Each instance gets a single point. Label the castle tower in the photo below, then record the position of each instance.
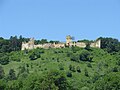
(98, 43)
(68, 40)
(31, 43)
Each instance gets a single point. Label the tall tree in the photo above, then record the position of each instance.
(110, 44)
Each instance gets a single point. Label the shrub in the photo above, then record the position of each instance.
(74, 57)
(4, 60)
(86, 56)
(14, 58)
(72, 68)
(2, 85)
(115, 69)
(108, 82)
(85, 88)
(89, 65)
(11, 75)
(61, 67)
(78, 69)
(69, 74)
(32, 56)
(86, 73)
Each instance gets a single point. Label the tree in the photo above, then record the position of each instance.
(1, 72)
(87, 46)
(110, 44)
(32, 56)
(89, 65)
(5, 48)
(74, 57)
(78, 69)
(115, 69)
(52, 80)
(14, 85)
(61, 82)
(53, 42)
(2, 85)
(69, 74)
(20, 42)
(43, 41)
(23, 72)
(4, 45)
(13, 43)
(86, 56)
(86, 72)
(37, 54)
(72, 68)
(61, 66)
(11, 75)
(108, 82)
(4, 59)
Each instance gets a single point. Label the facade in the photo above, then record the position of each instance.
(30, 45)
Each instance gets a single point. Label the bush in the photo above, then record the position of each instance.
(89, 65)
(74, 57)
(11, 75)
(110, 44)
(86, 73)
(78, 69)
(61, 67)
(2, 85)
(72, 68)
(4, 60)
(69, 74)
(108, 82)
(32, 56)
(14, 58)
(115, 69)
(86, 56)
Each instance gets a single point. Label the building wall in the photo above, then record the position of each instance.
(30, 44)
(96, 44)
(81, 44)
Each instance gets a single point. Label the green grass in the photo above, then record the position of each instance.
(51, 59)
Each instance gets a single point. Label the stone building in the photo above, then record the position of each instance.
(30, 45)
(69, 42)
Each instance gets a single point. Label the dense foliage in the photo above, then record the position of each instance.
(12, 44)
(110, 44)
(67, 68)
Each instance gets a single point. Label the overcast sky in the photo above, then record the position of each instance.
(54, 19)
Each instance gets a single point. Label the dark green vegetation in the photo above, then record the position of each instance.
(14, 43)
(61, 69)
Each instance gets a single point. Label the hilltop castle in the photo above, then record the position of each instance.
(30, 45)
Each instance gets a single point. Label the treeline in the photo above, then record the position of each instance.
(14, 43)
(43, 41)
(110, 44)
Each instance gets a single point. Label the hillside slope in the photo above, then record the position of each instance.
(61, 69)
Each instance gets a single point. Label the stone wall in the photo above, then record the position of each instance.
(31, 45)
(96, 44)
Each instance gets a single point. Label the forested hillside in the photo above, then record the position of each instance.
(70, 68)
